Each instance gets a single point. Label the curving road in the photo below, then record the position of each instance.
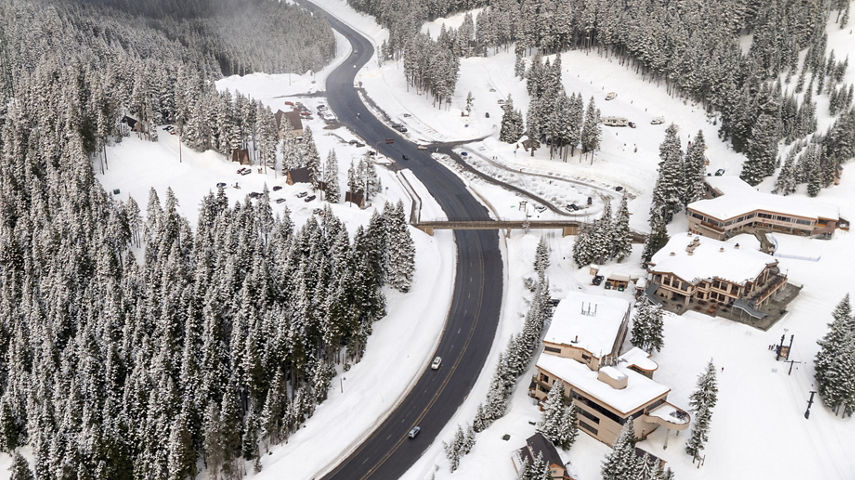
(387, 453)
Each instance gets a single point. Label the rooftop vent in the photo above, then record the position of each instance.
(736, 246)
(672, 254)
(721, 249)
(589, 309)
(612, 377)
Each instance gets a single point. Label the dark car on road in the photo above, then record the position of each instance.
(404, 157)
(390, 141)
(598, 279)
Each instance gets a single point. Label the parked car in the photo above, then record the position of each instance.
(404, 158)
(371, 153)
(598, 279)
(611, 96)
(280, 200)
(254, 194)
(390, 141)
(246, 171)
(631, 124)
(719, 172)
(401, 129)
(407, 115)
(436, 363)
(590, 201)
(486, 114)
(414, 431)
(540, 208)
(290, 104)
(221, 184)
(318, 211)
(572, 207)
(492, 90)
(422, 147)
(464, 154)
(302, 194)
(619, 188)
(321, 106)
(657, 121)
(276, 188)
(309, 198)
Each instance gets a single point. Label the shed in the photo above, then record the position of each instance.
(241, 156)
(298, 175)
(356, 197)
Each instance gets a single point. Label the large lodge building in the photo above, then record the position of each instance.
(736, 207)
(582, 349)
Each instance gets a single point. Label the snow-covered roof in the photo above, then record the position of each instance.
(710, 258)
(739, 198)
(638, 392)
(639, 358)
(594, 319)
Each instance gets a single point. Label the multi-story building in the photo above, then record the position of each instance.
(588, 328)
(735, 207)
(694, 271)
(582, 349)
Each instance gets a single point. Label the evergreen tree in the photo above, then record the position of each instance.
(657, 239)
(695, 166)
(591, 130)
(702, 402)
(20, 469)
(621, 241)
(669, 192)
(835, 360)
(330, 178)
(400, 259)
(553, 413)
(646, 331)
(622, 462)
(541, 259)
(512, 125)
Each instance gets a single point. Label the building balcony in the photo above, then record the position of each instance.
(669, 416)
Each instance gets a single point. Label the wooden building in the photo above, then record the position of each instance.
(692, 270)
(241, 156)
(536, 445)
(735, 207)
(298, 175)
(582, 349)
(295, 123)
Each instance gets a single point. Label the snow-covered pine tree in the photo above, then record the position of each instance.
(591, 130)
(533, 126)
(669, 190)
(401, 249)
(20, 468)
(541, 258)
(786, 183)
(657, 238)
(622, 462)
(835, 361)
(621, 242)
(511, 129)
(583, 251)
(569, 427)
(602, 235)
(553, 413)
(330, 178)
(310, 157)
(695, 167)
(702, 402)
(646, 332)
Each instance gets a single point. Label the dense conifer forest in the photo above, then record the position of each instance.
(139, 346)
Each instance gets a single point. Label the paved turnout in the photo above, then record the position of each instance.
(387, 453)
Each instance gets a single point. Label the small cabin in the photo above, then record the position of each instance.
(241, 156)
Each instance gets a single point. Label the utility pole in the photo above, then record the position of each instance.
(810, 402)
(791, 365)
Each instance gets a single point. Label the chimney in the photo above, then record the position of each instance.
(576, 339)
(736, 246)
(721, 249)
(672, 254)
(612, 377)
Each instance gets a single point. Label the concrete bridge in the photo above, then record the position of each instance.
(567, 227)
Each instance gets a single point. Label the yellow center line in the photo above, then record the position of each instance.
(445, 381)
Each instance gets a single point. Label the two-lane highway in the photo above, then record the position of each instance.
(386, 453)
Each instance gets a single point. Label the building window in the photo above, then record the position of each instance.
(596, 407)
(544, 378)
(588, 415)
(586, 358)
(587, 427)
(552, 349)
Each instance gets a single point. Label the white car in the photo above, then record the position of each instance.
(436, 363)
